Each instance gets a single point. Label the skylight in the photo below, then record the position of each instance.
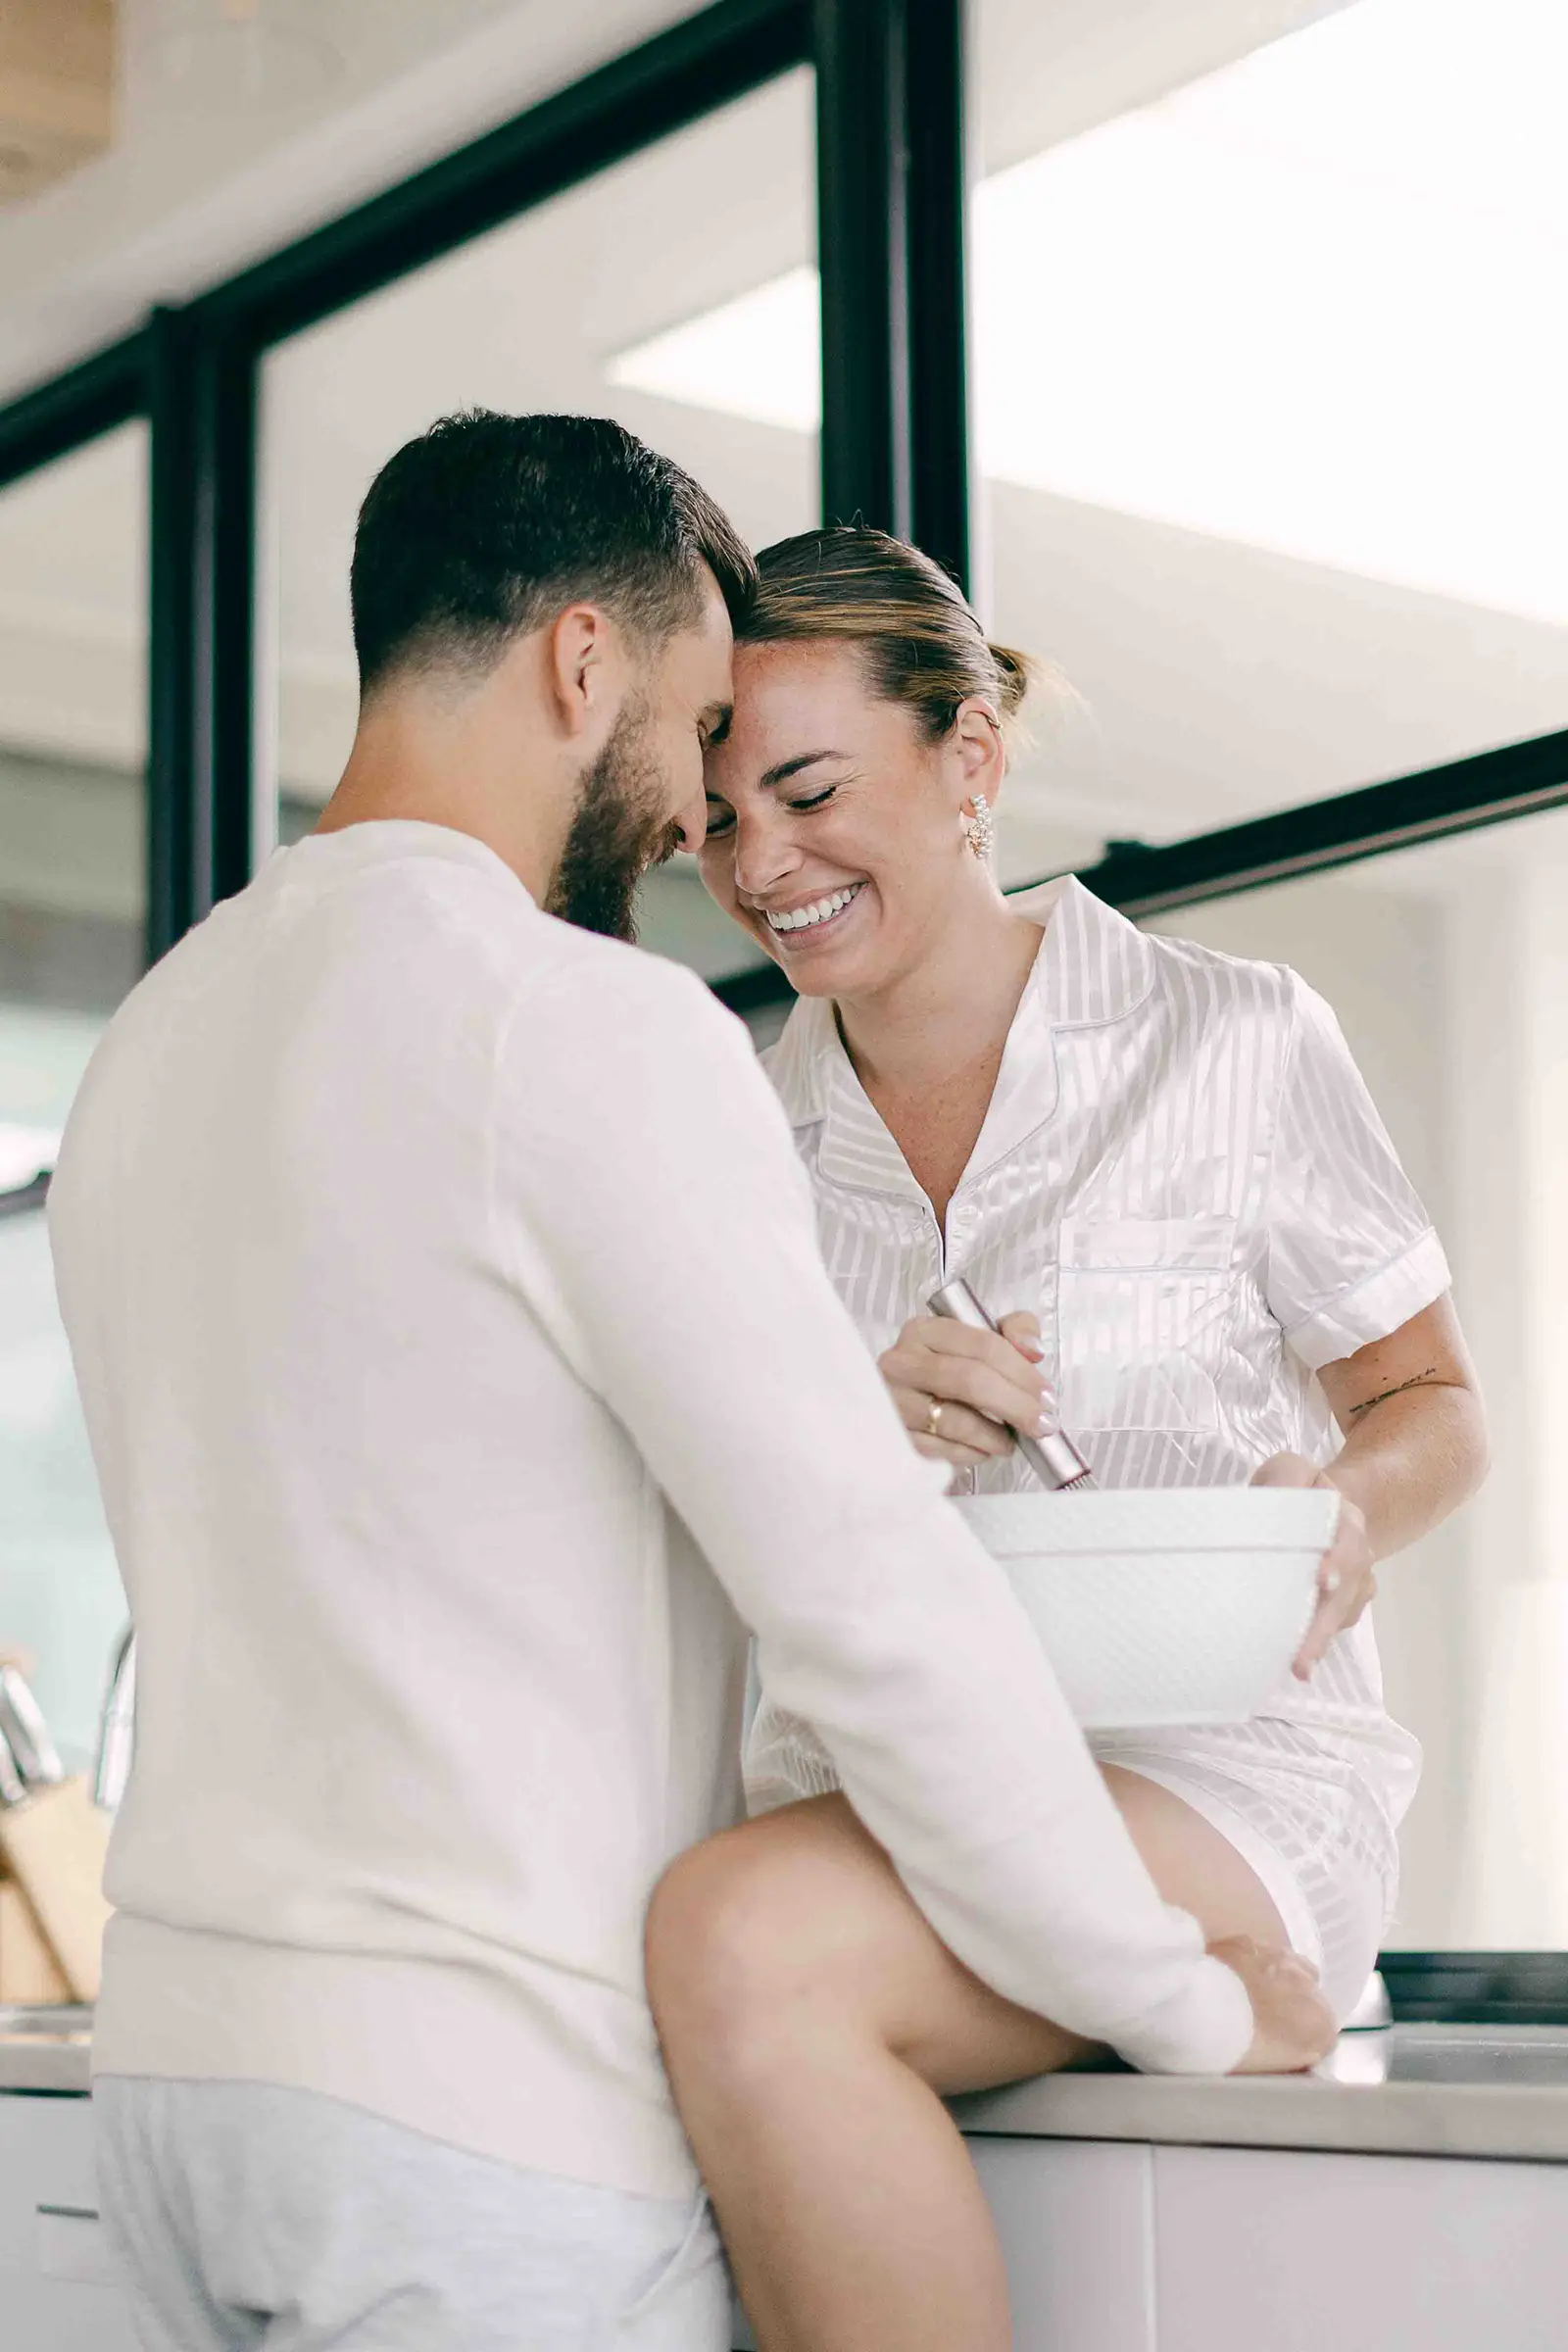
(1311, 302)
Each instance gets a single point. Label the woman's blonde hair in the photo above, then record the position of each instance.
(922, 646)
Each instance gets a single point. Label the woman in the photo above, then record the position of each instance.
(1163, 1163)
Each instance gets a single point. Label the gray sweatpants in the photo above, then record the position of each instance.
(254, 2219)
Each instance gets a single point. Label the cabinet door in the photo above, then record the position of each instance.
(1298, 2253)
(40, 2315)
(58, 2291)
(1074, 2219)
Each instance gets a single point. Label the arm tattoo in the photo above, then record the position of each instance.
(1422, 1380)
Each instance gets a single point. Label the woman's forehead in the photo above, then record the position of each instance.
(797, 688)
(801, 665)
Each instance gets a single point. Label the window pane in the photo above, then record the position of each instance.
(73, 750)
(1271, 378)
(598, 302)
(1448, 967)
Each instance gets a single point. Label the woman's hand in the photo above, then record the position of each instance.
(959, 1390)
(1346, 1582)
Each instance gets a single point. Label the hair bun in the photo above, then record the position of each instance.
(1014, 677)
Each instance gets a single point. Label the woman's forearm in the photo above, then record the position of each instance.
(1410, 1459)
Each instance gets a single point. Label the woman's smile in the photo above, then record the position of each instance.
(809, 923)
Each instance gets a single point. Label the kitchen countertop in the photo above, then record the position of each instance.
(1410, 2090)
(34, 2061)
(1407, 2091)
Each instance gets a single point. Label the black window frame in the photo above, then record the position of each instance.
(893, 170)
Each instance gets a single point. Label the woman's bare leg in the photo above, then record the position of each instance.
(812, 2022)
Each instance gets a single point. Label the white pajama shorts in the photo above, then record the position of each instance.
(1298, 1812)
(250, 2217)
(1309, 1830)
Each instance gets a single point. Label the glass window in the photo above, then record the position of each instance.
(1447, 965)
(72, 754)
(1270, 382)
(585, 303)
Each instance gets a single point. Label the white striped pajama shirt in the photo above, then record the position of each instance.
(1182, 1174)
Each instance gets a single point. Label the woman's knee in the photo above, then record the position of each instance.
(747, 1930)
(792, 1937)
(713, 1935)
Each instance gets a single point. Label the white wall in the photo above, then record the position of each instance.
(1449, 968)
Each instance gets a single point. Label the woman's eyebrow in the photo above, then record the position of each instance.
(792, 768)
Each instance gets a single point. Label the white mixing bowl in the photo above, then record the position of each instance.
(1163, 1605)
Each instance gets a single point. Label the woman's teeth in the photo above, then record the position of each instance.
(821, 911)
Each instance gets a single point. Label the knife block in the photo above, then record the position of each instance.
(52, 1846)
(30, 1973)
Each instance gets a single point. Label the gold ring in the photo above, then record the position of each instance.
(933, 1418)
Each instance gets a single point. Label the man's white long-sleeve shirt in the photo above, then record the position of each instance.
(463, 1380)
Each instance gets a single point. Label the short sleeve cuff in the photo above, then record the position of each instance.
(1376, 1306)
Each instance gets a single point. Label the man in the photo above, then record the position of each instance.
(462, 1380)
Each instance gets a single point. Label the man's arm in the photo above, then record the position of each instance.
(649, 1205)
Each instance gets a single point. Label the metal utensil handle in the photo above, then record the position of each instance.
(1055, 1461)
(25, 1733)
(13, 1788)
(117, 1729)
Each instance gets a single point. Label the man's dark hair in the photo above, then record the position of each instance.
(487, 525)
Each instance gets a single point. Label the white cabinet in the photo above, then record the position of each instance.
(57, 2289)
(1110, 2247)
(1129, 2248)
(1075, 2221)
(1303, 2253)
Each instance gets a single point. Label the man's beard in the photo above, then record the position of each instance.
(618, 832)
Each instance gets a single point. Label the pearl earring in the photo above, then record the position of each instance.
(981, 828)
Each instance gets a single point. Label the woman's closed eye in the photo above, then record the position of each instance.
(721, 817)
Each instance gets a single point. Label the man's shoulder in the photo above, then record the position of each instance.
(598, 1016)
(608, 978)
(614, 1042)
(490, 942)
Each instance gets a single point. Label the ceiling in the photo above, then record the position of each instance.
(203, 178)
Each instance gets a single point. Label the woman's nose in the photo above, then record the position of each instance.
(765, 856)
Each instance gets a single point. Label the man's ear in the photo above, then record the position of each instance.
(577, 650)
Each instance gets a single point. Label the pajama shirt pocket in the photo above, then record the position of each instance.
(1143, 1308)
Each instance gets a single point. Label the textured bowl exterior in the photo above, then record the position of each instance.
(1163, 1607)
